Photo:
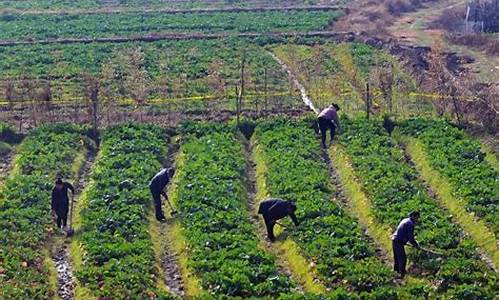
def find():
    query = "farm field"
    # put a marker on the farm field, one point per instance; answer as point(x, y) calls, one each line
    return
point(104, 94)
point(25, 208)
point(341, 71)
point(124, 4)
point(395, 188)
point(24, 27)
point(175, 69)
point(223, 252)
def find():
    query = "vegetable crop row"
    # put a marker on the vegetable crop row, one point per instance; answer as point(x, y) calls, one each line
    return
point(40, 26)
point(461, 161)
point(395, 190)
point(25, 219)
point(326, 235)
point(90, 4)
point(118, 260)
point(211, 197)
point(182, 68)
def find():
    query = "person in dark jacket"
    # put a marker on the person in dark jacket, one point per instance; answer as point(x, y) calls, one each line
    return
point(60, 201)
point(404, 234)
point(328, 120)
point(276, 209)
point(157, 186)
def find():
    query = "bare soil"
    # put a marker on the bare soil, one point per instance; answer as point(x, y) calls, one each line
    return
point(169, 258)
point(6, 164)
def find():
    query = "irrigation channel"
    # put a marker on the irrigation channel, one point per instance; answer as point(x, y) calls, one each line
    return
point(303, 93)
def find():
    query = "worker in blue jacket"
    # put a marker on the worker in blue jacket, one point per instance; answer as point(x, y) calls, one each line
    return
point(276, 209)
point(404, 234)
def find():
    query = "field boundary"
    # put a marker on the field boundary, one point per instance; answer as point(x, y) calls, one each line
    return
point(75, 252)
point(477, 229)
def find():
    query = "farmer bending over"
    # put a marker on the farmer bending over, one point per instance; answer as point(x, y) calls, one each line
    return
point(403, 235)
point(157, 186)
point(60, 201)
point(276, 209)
point(328, 119)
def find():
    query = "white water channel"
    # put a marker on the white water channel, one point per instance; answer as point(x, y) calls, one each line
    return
point(303, 93)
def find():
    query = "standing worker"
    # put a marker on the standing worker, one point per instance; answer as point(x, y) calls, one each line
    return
point(157, 187)
point(328, 119)
point(403, 235)
point(276, 209)
point(60, 201)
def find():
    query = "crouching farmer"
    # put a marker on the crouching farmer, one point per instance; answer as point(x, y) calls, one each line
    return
point(276, 209)
point(60, 201)
point(157, 187)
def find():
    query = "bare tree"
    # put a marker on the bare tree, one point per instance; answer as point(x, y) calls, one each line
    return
point(112, 83)
point(92, 86)
point(137, 79)
point(9, 93)
point(384, 79)
point(443, 82)
point(28, 87)
point(45, 98)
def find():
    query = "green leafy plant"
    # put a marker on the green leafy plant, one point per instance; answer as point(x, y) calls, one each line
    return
point(100, 25)
point(25, 219)
point(326, 235)
point(395, 190)
point(224, 250)
point(118, 256)
point(460, 160)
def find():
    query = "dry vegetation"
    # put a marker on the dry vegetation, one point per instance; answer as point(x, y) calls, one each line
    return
point(374, 16)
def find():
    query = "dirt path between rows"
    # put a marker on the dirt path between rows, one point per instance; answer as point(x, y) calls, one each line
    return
point(60, 244)
point(303, 93)
point(6, 163)
point(340, 198)
point(169, 258)
point(251, 185)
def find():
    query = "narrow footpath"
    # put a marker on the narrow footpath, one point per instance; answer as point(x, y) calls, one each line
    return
point(60, 244)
